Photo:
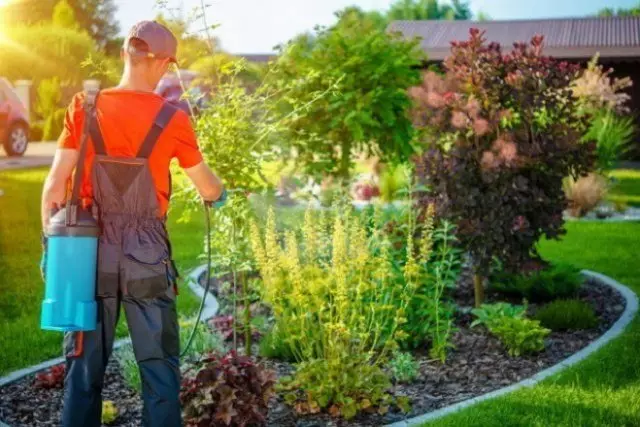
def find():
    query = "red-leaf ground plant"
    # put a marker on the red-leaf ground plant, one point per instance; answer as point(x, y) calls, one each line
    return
point(500, 132)
point(51, 378)
point(227, 390)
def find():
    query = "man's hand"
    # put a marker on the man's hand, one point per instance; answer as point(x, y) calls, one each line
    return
point(206, 182)
point(222, 200)
point(55, 186)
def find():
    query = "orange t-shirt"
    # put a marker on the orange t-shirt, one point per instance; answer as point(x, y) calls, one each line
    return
point(125, 117)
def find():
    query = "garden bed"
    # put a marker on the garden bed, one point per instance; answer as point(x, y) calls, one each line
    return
point(609, 215)
point(477, 365)
point(471, 370)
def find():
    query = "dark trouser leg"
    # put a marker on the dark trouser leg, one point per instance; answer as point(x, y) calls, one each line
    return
point(153, 325)
point(87, 355)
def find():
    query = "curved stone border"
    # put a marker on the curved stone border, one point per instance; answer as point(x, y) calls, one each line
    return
point(211, 305)
point(627, 316)
point(210, 310)
point(631, 214)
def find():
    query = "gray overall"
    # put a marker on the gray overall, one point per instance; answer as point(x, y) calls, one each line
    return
point(135, 270)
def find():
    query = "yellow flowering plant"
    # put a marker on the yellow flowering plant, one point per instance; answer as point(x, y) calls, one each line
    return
point(338, 306)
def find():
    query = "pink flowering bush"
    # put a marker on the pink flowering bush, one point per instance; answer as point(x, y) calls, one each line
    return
point(500, 131)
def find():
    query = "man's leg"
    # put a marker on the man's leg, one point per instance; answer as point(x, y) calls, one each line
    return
point(87, 355)
point(153, 325)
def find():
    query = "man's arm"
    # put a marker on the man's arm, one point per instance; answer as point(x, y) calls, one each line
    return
point(55, 186)
point(206, 182)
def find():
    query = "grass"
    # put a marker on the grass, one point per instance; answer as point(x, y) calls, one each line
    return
point(628, 189)
point(601, 391)
point(22, 343)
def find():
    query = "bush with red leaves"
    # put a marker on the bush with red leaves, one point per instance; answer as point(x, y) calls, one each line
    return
point(51, 378)
point(227, 390)
point(224, 325)
point(501, 131)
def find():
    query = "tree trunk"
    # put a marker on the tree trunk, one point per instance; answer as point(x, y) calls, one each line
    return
point(345, 159)
point(478, 289)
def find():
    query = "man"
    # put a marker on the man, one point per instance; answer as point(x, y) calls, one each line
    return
point(134, 135)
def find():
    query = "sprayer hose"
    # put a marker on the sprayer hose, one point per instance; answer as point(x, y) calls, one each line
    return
point(207, 285)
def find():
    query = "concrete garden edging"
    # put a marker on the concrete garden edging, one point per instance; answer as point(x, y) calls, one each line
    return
point(626, 317)
point(210, 309)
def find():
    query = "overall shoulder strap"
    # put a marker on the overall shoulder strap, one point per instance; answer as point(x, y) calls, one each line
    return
point(159, 123)
point(96, 134)
point(89, 110)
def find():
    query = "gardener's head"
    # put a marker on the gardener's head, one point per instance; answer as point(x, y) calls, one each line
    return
point(148, 51)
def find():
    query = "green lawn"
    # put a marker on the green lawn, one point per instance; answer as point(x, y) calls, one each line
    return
point(628, 189)
point(22, 343)
point(605, 389)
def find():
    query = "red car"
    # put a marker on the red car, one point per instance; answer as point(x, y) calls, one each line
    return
point(14, 122)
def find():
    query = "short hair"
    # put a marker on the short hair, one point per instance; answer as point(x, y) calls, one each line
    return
point(134, 48)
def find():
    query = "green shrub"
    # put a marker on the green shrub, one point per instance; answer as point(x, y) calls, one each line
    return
point(205, 341)
point(50, 108)
point(272, 346)
point(565, 315)
point(519, 335)
point(556, 282)
point(613, 134)
point(430, 313)
point(488, 314)
point(404, 367)
point(339, 306)
point(129, 367)
point(393, 179)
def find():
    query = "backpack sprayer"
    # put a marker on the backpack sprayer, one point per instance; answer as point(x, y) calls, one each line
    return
point(69, 301)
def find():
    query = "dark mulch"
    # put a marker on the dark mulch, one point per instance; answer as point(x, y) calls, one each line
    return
point(22, 405)
point(478, 364)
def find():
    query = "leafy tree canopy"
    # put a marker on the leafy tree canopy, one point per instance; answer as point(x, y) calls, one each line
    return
point(45, 51)
point(191, 47)
point(609, 11)
point(64, 16)
point(418, 10)
point(97, 17)
point(366, 73)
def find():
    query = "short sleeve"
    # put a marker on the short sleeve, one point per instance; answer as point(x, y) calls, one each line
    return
point(186, 145)
point(73, 122)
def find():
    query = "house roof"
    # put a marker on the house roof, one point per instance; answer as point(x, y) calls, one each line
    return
point(571, 38)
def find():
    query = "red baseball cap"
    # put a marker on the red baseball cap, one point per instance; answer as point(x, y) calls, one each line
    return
point(160, 40)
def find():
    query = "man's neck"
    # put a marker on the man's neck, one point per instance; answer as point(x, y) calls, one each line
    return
point(129, 82)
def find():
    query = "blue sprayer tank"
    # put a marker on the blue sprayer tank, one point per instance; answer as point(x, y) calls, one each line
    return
point(70, 279)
